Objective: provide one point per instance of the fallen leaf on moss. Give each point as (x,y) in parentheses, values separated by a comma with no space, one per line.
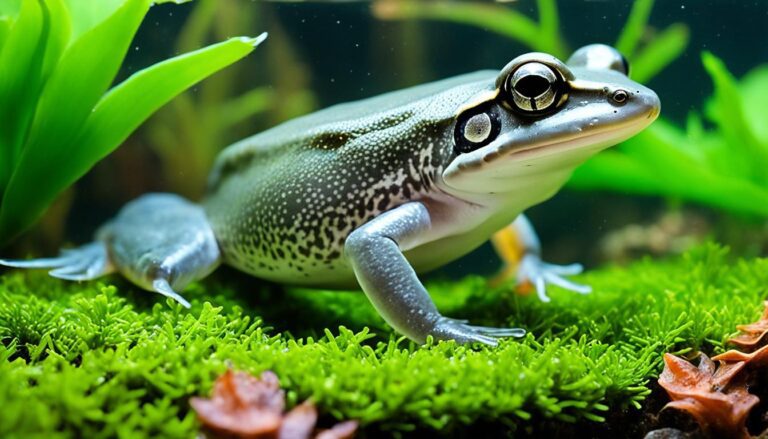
(714,396)
(753,333)
(342,430)
(299,422)
(752,360)
(242,406)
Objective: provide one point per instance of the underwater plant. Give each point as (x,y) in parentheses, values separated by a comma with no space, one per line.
(191,130)
(724,165)
(58,59)
(545,35)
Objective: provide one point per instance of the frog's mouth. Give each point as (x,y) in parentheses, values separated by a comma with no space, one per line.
(589,142)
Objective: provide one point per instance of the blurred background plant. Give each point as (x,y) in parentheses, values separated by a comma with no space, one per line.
(188,133)
(58,60)
(719,159)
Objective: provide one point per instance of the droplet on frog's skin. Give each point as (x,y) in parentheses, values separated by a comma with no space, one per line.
(478,128)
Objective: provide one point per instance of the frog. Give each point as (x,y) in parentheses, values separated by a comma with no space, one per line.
(376,192)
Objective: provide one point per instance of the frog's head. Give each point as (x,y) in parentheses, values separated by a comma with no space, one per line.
(544,118)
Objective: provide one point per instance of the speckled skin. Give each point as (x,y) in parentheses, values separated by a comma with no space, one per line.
(282,203)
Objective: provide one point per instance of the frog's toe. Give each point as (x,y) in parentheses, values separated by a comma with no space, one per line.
(534,271)
(83,263)
(458,330)
(163,287)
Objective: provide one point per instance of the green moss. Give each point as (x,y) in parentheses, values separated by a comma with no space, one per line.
(97,360)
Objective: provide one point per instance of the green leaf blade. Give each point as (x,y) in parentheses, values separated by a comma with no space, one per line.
(84,72)
(115,116)
(633,30)
(22,49)
(659,53)
(126,106)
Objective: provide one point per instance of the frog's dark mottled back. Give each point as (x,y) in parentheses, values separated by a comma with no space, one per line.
(283,202)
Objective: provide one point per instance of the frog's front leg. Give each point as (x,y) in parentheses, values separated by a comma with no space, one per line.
(375,251)
(519,247)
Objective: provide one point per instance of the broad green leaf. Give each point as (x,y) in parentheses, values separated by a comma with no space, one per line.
(21,61)
(662,50)
(10,8)
(126,106)
(635,27)
(85,71)
(5,29)
(87,14)
(58,35)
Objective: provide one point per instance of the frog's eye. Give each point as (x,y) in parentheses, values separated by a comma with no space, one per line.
(476,128)
(533,88)
(599,56)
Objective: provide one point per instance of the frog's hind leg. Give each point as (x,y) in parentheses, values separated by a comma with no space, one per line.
(160,242)
(519,247)
(83,263)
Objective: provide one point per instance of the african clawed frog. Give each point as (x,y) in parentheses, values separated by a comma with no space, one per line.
(375,191)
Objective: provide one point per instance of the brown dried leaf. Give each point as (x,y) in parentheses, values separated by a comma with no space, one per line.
(752,360)
(753,334)
(242,405)
(719,402)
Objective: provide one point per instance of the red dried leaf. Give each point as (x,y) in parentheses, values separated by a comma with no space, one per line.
(242,405)
(753,334)
(719,402)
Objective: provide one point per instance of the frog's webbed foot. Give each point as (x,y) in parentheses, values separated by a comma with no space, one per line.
(518,246)
(375,252)
(160,242)
(534,271)
(461,331)
(83,263)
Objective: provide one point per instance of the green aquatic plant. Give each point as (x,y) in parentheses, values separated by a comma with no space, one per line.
(191,130)
(58,60)
(544,35)
(723,163)
(97,360)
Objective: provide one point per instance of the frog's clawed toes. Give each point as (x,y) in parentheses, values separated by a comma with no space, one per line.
(538,273)
(453,329)
(163,287)
(83,263)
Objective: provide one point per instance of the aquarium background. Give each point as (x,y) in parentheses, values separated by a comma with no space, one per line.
(323,53)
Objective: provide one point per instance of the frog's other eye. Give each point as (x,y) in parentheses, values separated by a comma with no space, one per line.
(533,88)
(475,129)
(599,56)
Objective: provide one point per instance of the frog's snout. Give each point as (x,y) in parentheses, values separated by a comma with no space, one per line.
(640,103)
